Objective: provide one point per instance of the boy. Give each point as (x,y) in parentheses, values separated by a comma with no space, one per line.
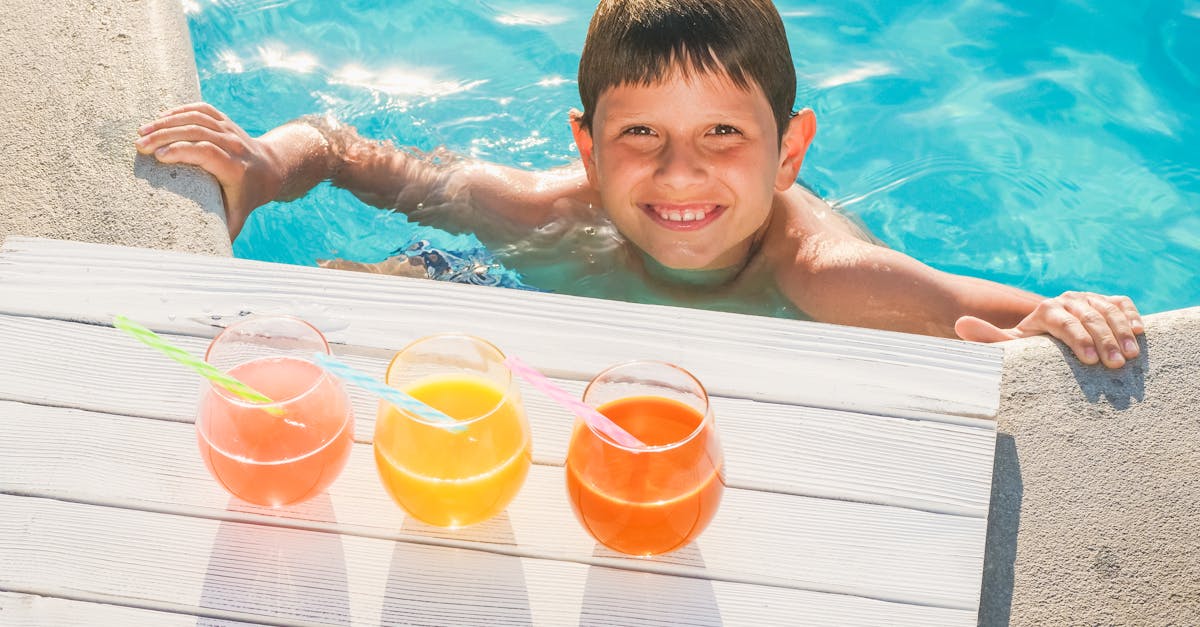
(690,148)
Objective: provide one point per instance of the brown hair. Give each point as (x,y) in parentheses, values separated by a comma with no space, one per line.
(641,42)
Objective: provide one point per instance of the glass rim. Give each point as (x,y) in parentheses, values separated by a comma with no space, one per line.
(278,402)
(506,388)
(706,416)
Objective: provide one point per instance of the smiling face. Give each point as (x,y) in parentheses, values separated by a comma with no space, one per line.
(687,168)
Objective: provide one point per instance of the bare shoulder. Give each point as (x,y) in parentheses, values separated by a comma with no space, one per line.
(808,233)
(824,218)
(824,262)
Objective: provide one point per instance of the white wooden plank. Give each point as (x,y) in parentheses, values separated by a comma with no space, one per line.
(773,539)
(28,610)
(257,571)
(928,465)
(749,356)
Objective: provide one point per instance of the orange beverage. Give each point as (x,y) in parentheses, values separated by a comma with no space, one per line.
(282,452)
(646,501)
(461,476)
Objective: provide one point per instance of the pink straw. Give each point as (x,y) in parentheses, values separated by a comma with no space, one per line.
(598,420)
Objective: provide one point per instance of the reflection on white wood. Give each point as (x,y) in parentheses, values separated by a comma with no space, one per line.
(928,465)
(754,357)
(258,572)
(760,537)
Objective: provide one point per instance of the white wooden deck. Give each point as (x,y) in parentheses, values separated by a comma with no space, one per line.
(859,462)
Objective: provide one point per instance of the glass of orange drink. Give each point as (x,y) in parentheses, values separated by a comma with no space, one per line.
(458,474)
(290,449)
(653,499)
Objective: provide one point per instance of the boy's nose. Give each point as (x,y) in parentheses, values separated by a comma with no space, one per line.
(680,166)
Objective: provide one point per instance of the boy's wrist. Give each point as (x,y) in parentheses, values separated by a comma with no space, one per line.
(301,154)
(334,137)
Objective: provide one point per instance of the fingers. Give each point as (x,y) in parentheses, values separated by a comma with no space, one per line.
(975,329)
(1097,328)
(1120,325)
(1131,312)
(186,118)
(199,107)
(1100,343)
(204,154)
(1057,318)
(189,133)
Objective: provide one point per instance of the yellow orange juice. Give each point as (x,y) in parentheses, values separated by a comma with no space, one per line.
(453,478)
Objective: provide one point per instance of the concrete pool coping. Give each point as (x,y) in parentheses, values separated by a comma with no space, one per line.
(1097,474)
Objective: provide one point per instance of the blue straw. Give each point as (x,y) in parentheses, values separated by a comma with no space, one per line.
(386,392)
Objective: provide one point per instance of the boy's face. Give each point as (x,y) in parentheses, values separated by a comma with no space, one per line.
(687,168)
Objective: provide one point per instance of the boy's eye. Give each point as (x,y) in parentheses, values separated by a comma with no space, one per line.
(638,130)
(725,129)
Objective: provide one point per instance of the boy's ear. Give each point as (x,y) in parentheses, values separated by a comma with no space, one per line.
(583,141)
(796,139)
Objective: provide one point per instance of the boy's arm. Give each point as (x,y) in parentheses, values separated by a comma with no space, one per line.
(848,281)
(490,200)
(288,161)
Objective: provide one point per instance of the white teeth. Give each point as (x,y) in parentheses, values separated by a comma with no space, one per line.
(687,215)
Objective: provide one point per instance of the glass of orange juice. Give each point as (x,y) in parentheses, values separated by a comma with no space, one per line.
(290,449)
(458,474)
(653,499)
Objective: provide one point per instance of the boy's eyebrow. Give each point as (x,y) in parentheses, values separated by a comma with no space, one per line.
(709,116)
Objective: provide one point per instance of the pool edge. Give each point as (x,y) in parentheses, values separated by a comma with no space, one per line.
(1096,484)
(80,77)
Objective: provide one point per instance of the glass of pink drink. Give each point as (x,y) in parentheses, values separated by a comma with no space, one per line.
(286,451)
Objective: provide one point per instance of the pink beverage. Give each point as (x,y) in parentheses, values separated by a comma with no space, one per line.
(284,452)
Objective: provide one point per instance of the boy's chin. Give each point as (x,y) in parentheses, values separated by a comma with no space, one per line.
(675,261)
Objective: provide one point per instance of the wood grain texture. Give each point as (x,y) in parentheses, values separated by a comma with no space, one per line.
(755,357)
(930,465)
(290,576)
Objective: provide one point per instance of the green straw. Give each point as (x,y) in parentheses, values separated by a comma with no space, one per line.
(205,369)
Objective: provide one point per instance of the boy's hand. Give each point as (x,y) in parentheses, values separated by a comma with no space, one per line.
(1094,326)
(200,135)
(396,266)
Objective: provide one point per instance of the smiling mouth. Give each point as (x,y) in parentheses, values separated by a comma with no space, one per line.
(683,217)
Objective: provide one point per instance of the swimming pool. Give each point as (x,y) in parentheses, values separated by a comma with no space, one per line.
(1048,145)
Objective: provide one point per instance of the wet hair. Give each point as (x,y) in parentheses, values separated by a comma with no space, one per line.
(642,42)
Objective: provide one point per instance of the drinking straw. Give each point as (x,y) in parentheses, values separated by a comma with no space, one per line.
(593,417)
(386,392)
(203,368)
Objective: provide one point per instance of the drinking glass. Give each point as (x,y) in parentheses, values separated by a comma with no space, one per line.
(290,449)
(464,473)
(654,499)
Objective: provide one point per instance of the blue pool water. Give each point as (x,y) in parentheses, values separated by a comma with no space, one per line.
(1046,144)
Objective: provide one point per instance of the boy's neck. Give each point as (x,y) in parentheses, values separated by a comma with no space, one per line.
(688,278)
(709,278)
